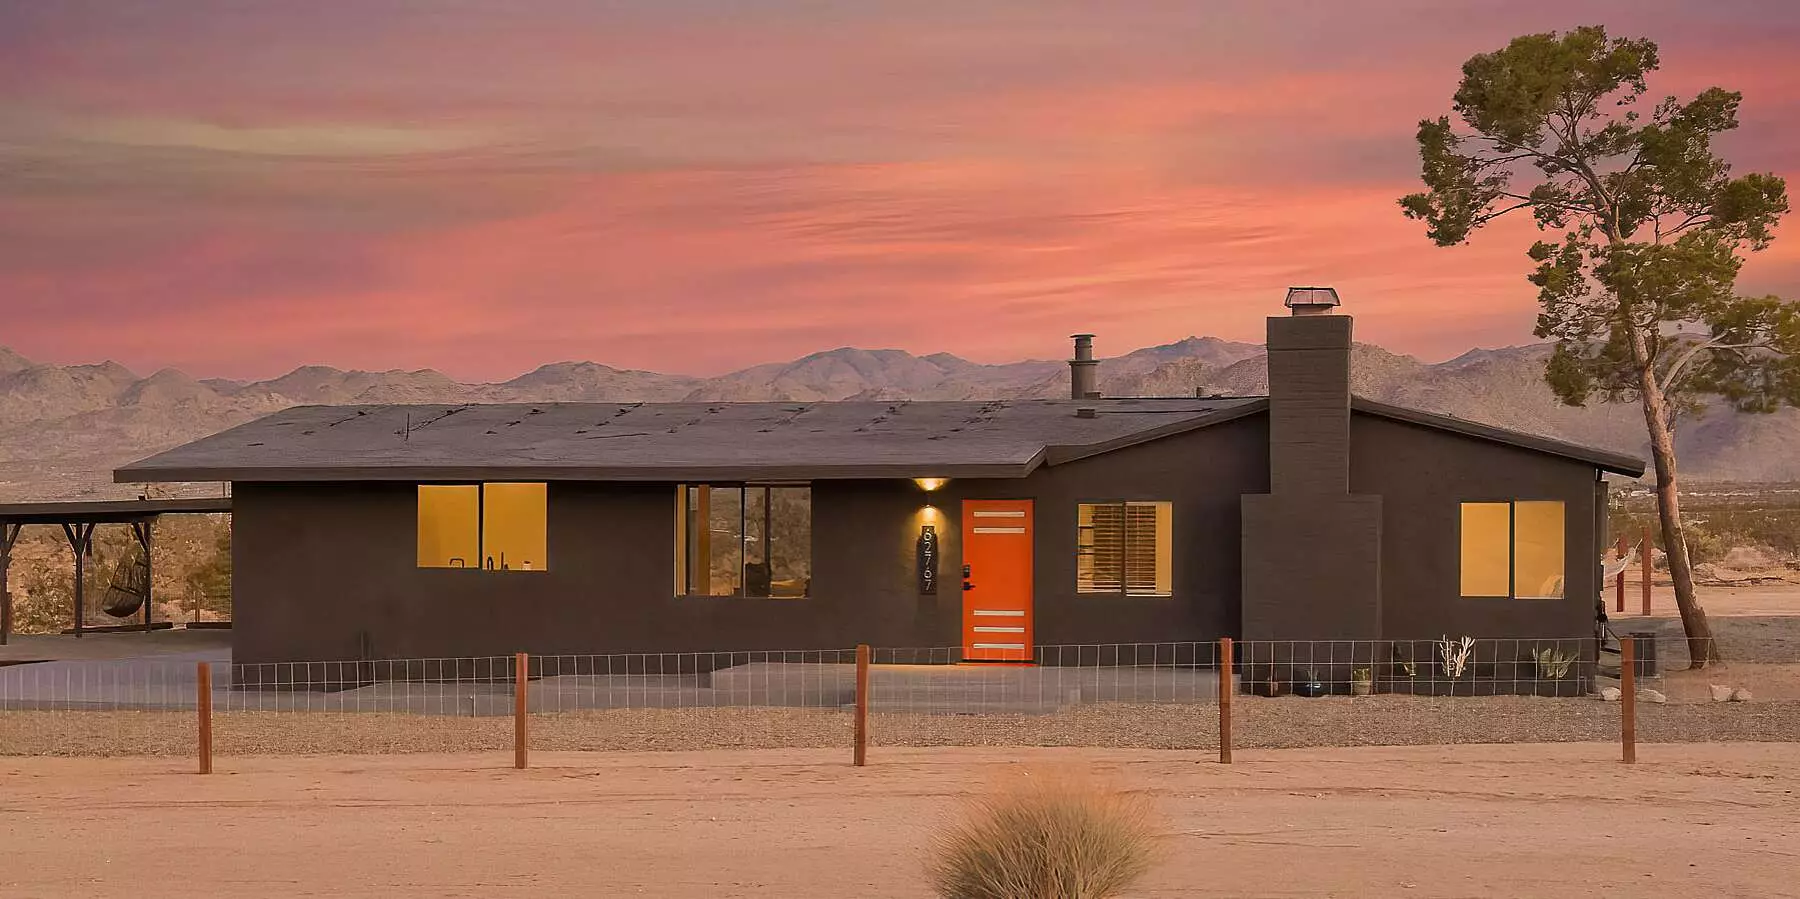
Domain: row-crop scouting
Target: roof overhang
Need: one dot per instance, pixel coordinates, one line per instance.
(1058, 455)
(662, 474)
(1605, 460)
(108, 511)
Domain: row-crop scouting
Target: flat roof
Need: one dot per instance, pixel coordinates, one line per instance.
(677, 441)
(727, 441)
(103, 511)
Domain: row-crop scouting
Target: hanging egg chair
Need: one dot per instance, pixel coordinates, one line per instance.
(130, 585)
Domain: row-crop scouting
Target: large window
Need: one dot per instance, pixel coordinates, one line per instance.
(1512, 549)
(1124, 548)
(743, 541)
(497, 527)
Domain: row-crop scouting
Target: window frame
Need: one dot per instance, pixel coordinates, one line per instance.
(684, 561)
(1124, 588)
(1512, 547)
(481, 527)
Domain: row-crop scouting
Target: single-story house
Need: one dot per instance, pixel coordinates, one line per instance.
(415, 531)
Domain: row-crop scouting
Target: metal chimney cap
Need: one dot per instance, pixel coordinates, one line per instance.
(1311, 300)
(1312, 296)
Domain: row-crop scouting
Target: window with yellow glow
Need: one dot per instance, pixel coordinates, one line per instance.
(1513, 549)
(496, 527)
(513, 527)
(1486, 554)
(1538, 550)
(449, 526)
(752, 541)
(1124, 548)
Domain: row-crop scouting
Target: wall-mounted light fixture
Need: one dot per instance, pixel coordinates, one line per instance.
(930, 484)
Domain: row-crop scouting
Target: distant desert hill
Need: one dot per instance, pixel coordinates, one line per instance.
(63, 428)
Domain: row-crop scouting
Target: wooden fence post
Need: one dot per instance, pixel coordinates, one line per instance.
(859, 755)
(1619, 580)
(203, 709)
(1644, 561)
(1225, 691)
(1628, 697)
(521, 703)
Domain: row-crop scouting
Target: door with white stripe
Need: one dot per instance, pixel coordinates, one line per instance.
(997, 556)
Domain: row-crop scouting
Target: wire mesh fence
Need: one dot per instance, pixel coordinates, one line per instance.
(1150, 695)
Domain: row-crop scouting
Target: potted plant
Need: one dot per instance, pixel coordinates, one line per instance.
(1362, 681)
(1309, 684)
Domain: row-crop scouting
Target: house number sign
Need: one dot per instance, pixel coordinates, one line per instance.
(928, 560)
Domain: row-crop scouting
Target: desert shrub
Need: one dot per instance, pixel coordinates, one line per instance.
(42, 602)
(1044, 838)
(1705, 543)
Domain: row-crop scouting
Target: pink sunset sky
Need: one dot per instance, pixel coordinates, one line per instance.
(694, 186)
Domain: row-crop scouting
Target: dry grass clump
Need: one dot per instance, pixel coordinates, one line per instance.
(1045, 838)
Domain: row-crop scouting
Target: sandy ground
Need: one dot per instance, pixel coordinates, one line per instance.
(1466, 821)
(1765, 599)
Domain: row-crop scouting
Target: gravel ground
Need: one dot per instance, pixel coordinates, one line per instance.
(1287, 722)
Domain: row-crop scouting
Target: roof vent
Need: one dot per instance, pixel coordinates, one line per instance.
(1312, 300)
(1086, 412)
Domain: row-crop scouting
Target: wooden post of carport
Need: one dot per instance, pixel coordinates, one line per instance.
(9, 535)
(81, 536)
(143, 531)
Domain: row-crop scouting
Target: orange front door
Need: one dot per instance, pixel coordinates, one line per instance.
(996, 551)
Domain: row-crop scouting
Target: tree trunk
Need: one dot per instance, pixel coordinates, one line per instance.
(1702, 648)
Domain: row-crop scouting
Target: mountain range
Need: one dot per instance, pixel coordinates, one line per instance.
(63, 428)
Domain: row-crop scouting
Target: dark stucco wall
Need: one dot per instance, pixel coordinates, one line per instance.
(1423, 475)
(327, 571)
(1203, 474)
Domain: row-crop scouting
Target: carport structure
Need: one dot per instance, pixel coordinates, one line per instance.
(78, 520)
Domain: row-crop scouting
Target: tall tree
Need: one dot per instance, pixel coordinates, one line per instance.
(1638, 290)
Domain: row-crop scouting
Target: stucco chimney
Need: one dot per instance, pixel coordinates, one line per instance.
(1084, 378)
(1311, 562)
(1309, 396)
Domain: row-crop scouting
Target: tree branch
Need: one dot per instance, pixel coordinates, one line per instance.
(1527, 152)
(1673, 375)
(1691, 221)
(1490, 216)
(1501, 160)
(1526, 198)
(1580, 168)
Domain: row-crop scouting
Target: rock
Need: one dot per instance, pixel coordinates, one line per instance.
(1610, 694)
(1721, 693)
(1655, 696)
(1741, 694)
